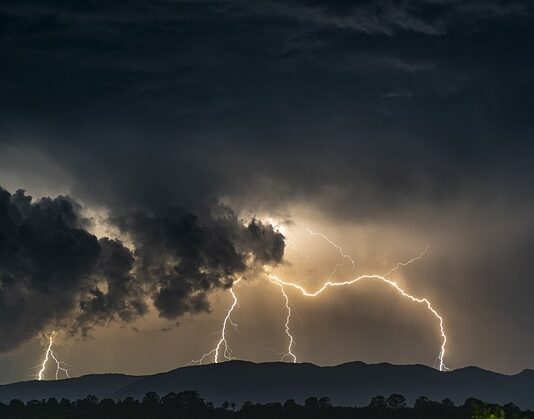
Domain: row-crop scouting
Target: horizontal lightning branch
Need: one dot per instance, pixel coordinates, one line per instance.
(328, 284)
(222, 344)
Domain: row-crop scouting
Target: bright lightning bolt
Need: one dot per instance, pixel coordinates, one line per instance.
(222, 343)
(330, 283)
(393, 284)
(47, 354)
(222, 340)
(59, 366)
(289, 352)
(50, 354)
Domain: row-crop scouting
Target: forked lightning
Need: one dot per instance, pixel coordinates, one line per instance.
(328, 284)
(222, 339)
(60, 366)
(222, 350)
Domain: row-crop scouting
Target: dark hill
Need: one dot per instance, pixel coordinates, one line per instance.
(347, 384)
(70, 389)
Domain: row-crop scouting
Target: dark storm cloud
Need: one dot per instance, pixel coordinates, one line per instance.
(46, 261)
(187, 257)
(413, 113)
(185, 99)
(389, 16)
(54, 274)
(124, 296)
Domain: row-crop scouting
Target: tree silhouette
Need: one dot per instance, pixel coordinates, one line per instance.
(324, 403)
(378, 402)
(396, 401)
(151, 399)
(421, 402)
(189, 405)
(447, 402)
(290, 404)
(311, 403)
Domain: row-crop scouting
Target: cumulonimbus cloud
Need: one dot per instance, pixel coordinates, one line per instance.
(55, 273)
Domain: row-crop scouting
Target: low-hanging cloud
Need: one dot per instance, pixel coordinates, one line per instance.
(56, 274)
(184, 258)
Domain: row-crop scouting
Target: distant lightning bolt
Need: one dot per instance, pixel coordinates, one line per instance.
(295, 246)
(330, 283)
(289, 352)
(409, 262)
(222, 340)
(50, 354)
(59, 366)
(222, 343)
(339, 248)
(425, 301)
(47, 354)
(288, 308)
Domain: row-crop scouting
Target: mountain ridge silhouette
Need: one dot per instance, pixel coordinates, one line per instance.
(351, 383)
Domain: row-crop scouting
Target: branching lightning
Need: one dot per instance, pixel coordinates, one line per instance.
(393, 284)
(222, 343)
(60, 366)
(339, 248)
(409, 262)
(329, 283)
(289, 353)
(222, 350)
(222, 340)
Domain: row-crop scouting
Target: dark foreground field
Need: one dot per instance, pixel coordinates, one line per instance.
(189, 404)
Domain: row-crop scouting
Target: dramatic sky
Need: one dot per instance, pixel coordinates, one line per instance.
(153, 152)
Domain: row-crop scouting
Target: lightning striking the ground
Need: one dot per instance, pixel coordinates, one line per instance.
(222, 343)
(60, 366)
(222, 339)
(329, 283)
(289, 353)
(425, 301)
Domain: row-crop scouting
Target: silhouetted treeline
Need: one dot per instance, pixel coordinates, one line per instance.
(190, 405)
